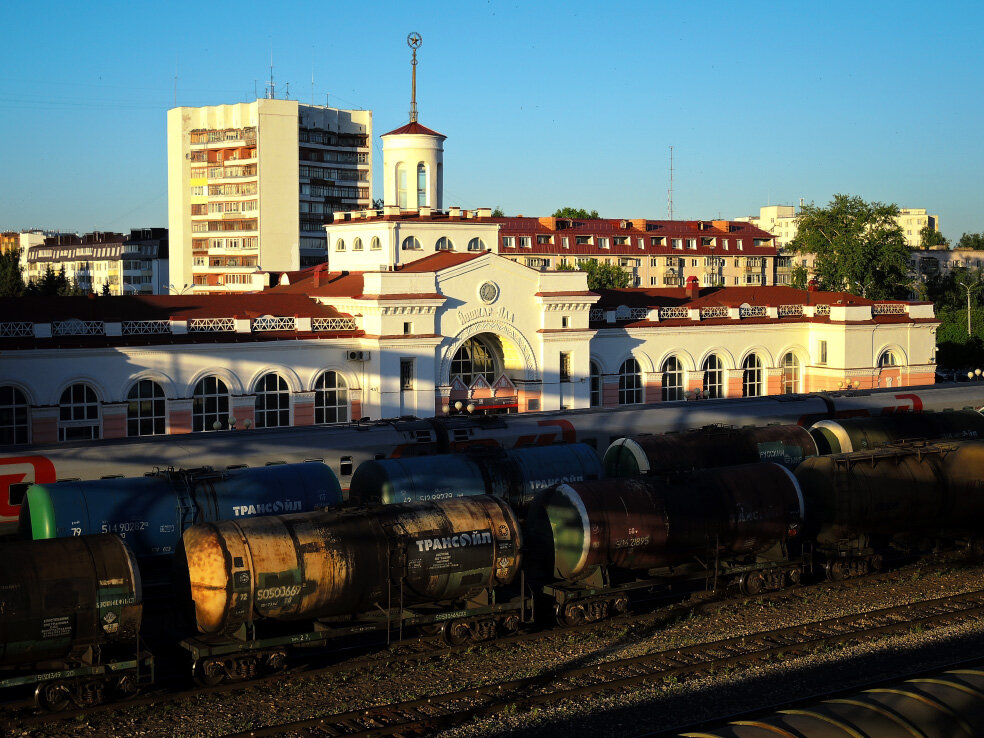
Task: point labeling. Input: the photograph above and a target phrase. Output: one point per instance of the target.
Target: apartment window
(672, 379)
(629, 383)
(677, 243)
(78, 414)
(508, 241)
(544, 239)
(602, 243)
(713, 376)
(357, 245)
(594, 399)
(14, 412)
(407, 328)
(330, 399)
(657, 240)
(476, 244)
(410, 244)
(565, 366)
(444, 244)
(565, 321)
(740, 244)
(691, 243)
(272, 401)
(641, 243)
(406, 374)
(582, 240)
(565, 242)
(525, 242)
(145, 409)
(209, 404)
(693, 262)
(823, 353)
(375, 245)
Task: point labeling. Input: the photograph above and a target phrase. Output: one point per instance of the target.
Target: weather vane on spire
(414, 41)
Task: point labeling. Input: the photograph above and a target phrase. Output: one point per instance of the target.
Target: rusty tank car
(620, 534)
(857, 434)
(708, 447)
(347, 572)
(70, 615)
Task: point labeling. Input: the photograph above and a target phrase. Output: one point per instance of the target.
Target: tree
(11, 279)
(601, 276)
(576, 213)
(971, 241)
(497, 213)
(53, 284)
(377, 203)
(799, 277)
(930, 238)
(858, 247)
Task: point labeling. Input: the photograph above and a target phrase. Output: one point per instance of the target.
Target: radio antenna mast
(414, 41)
(669, 193)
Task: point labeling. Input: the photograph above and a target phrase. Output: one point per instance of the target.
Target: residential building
(134, 264)
(250, 186)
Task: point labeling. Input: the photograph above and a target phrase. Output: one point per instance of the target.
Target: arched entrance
(488, 370)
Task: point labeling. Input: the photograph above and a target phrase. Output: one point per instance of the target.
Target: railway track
(441, 711)
(415, 649)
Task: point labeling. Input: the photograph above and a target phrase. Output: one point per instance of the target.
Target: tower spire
(414, 41)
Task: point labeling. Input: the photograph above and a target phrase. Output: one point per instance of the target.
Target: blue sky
(545, 104)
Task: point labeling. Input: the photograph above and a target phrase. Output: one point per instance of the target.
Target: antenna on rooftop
(271, 87)
(669, 193)
(414, 41)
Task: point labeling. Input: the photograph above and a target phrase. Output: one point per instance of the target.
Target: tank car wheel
(836, 570)
(752, 583)
(275, 662)
(875, 563)
(53, 696)
(795, 575)
(571, 614)
(509, 624)
(620, 605)
(209, 673)
(455, 633)
(126, 687)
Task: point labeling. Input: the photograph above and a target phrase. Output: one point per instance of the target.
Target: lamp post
(172, 290)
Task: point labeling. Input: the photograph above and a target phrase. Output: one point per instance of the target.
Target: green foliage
(576, 213)
(54, 284)
(930, 238)
(858, 247)
(799, 277)
(11, 279)
(497, 213)
(105, 289)
(971, 241)
(601, 276)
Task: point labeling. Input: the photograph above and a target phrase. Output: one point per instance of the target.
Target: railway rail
(441, 711)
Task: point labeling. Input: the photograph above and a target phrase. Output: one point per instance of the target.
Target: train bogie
(708, 447)
(858, 434)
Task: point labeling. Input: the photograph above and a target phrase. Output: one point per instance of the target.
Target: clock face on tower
(489, 291)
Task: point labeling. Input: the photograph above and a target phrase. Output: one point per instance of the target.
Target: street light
(179, 291)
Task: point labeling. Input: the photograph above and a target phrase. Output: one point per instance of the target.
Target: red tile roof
(414, 128)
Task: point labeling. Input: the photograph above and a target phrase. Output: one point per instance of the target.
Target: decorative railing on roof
(76, 327)
(889, 309)
(144, 327)
(669, 313)
(786, 311)
(16, 330)
(753, 311)
(333, 324)
(596, 315)
(211, 325)
(274, 323)
(822, 310)
(715, 311)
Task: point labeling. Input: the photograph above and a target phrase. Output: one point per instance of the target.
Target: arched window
(444, 244)
(751, 380)
(629, 383)
(145, 413)
(410, 244)
(357, 245)
(330, 399)
(78, 414)
(421, 185)
(476, 244)
(713, 376)
(401, 187)
(474, 358)
(672, 379)
(209, 405)
(272, 401)
(596, 396)
(888, 359)
(374, 245)
(790, 374)
(14, 413)
(340, 245)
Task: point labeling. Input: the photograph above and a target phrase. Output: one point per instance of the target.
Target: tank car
(70, 615)
(858, 434)
(348, 572)
(708, 447)
(892, 498)
(150, 512)
(597, 541)
(515, 475)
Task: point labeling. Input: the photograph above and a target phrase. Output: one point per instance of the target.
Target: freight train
(344, 447)
(470, 567)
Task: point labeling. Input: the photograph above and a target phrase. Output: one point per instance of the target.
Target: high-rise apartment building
(250, 186)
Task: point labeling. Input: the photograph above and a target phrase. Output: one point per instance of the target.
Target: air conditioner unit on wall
(358, 356)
